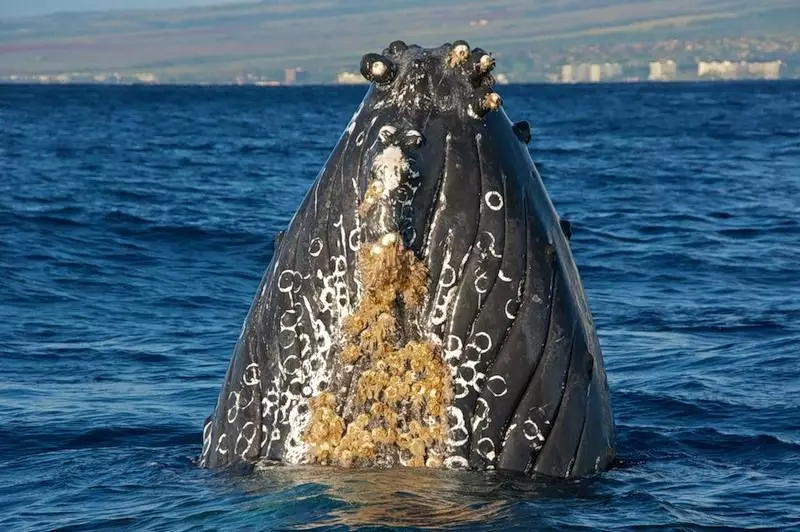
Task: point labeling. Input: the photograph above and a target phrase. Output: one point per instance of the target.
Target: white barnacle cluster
(394, 182)
(492, 101)
(459, 54)
(486, 63)
(389, 167)
(387, 240)
(378, 69)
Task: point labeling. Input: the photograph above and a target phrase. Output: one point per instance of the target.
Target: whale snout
(424, 307)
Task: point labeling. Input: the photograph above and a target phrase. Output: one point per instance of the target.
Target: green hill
(326, 37)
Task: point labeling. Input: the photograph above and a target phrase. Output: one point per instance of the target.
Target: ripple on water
(136, 222)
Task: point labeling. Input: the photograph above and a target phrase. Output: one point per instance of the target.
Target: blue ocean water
(136, 222)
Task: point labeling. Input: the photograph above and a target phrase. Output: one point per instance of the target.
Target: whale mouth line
(396, 324)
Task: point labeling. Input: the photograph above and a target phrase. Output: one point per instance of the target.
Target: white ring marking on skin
(481, 282)
(285, 280)
(252, 375)
(458, 426)
(494, 200)
(315, 247)
(456, 462)
(220, 441)
(509, 314)
(339, 265)
(448, 270)
(245, 438)
(354, 244)
(451, 339)
(489, 455)
(290, 281)
(474, 343)
(287, 321)
(497, 385)
(296, 364)
(233, 410)
(531, 431)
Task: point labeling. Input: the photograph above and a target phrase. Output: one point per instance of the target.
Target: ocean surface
(136, 222)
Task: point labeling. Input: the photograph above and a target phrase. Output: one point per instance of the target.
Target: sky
(24, 8)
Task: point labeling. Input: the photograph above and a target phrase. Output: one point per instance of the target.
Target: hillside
(325, 37)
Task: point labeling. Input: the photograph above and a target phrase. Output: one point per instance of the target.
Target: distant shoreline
(257, 42)
(5, 83)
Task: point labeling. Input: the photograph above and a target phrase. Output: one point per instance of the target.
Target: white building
(567, 75)
(590, 72)
(663, 70)
(740, 70)
(350, 78)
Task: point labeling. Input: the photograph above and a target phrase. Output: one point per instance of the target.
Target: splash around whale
(423, 308)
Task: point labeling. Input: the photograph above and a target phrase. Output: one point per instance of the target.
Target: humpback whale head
(423, 307)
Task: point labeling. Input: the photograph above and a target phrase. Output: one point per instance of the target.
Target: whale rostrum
(423, 307)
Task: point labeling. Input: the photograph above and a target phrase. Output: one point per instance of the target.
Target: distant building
(350, 78)
(595, 73)
(567, 75)
(765, 70)
(145, 77)
(295, 75)
(740, 70)
(663, 70)
(717, 69)
(582, 72)
(590, 72)
(610, 70)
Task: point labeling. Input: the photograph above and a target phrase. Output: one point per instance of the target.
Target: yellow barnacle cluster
(325, 428)
(401, 389)
(371, 196)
